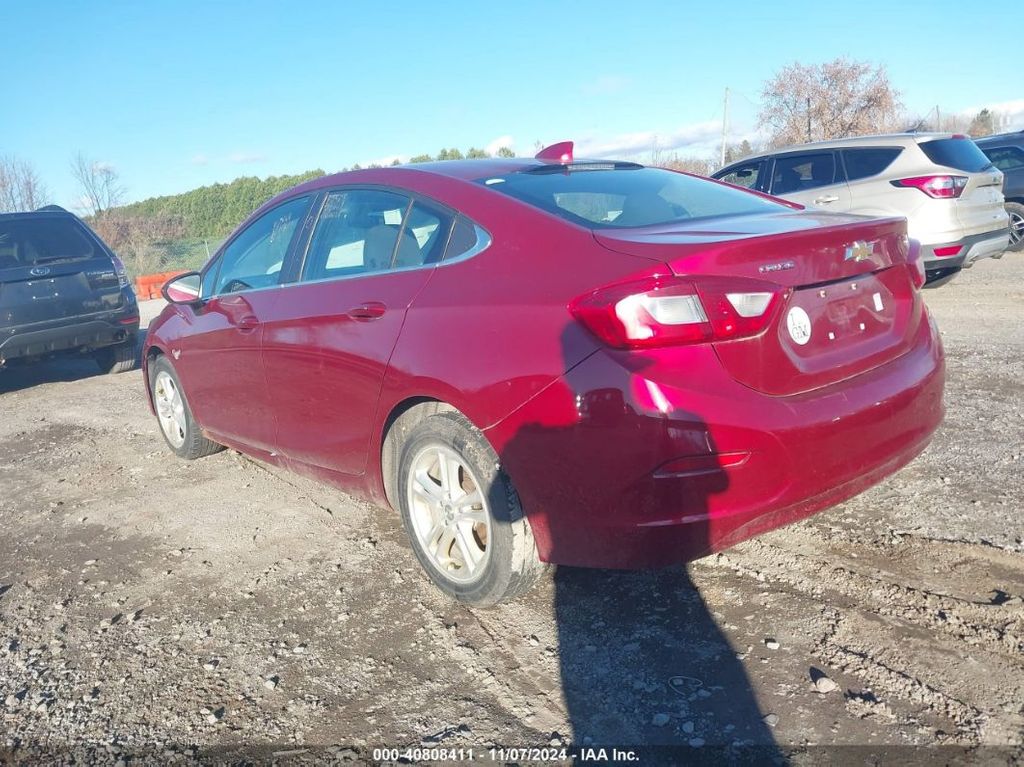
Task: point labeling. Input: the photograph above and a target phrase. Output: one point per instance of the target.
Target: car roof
(882, 139)
(1001, 138)
(50, 211)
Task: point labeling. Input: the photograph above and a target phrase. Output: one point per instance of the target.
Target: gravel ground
(168, 610)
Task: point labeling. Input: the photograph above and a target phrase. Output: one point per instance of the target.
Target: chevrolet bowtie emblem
(859, 251)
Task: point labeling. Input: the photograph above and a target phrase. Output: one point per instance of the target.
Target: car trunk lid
(848, 302)
(55, 290)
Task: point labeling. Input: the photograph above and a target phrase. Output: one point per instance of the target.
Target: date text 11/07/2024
(504, 754)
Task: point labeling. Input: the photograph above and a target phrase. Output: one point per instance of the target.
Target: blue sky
(175, 95)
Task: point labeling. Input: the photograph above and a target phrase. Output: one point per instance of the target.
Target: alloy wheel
(170, 409)
(449, 514)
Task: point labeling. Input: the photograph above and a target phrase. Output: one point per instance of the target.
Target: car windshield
(623, 196)
(44, 239)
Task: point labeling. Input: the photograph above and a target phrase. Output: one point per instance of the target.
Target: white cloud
(502, 141)
(200, 159)
(1012, 111)
(245, 158)
(606, 85)
(694, 138)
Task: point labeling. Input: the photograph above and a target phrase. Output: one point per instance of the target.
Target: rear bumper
(971, 248)
(616, 468)
(71, 335)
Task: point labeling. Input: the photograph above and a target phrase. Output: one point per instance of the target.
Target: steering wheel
(235, 285)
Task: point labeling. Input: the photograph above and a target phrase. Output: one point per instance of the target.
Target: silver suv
(946, 188)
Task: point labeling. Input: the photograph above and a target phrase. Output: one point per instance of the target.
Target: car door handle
(826, 198)
(248, 322)
(371, 310)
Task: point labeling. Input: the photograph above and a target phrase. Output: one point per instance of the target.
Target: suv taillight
(664, 311)
(120, 271)
(939, 187)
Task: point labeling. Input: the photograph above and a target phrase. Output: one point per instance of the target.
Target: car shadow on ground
(16, 375)
(643, 661)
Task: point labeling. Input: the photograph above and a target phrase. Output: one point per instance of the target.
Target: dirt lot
(150, 606)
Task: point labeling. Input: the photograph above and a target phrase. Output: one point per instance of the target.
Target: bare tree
(101, 188)
(832, 100)
(20, 186)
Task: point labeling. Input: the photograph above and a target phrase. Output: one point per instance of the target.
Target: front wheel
(1016, 213)
(177, 424)
(462, 515)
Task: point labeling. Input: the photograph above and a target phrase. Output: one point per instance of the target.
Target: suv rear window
(960, 153)
(35, 240)
(622, 197)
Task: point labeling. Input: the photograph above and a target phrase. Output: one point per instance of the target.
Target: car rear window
(30, 241)
(960, 153)
(864, 163)
(606, 196)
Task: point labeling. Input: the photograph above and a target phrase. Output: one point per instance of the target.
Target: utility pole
(808, 119)
(725, 123)
(938, 119)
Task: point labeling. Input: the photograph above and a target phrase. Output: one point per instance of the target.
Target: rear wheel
(1016, 212)
(119, 358)
(180, 429)
(462, 515)
(936, 278)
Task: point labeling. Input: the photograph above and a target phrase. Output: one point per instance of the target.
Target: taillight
(663, 311)
(915, 263)
(120, 271)
(939, 187)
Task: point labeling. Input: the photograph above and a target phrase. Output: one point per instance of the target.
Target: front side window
(1006, 157)
(746, 175)
(255, 257)
(798, 173)
(364, 231)
(608, 196)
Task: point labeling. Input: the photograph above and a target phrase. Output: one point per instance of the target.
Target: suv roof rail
(51, 209)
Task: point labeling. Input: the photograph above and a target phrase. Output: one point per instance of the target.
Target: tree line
(800, 103)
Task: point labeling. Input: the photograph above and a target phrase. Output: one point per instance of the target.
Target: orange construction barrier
(148, 286)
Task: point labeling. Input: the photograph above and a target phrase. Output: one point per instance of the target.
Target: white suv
(946, 188)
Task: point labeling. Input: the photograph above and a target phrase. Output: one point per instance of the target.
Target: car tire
(119, 358)
(464, 518)
(1016, 212)
(939, 277)
(179, 428)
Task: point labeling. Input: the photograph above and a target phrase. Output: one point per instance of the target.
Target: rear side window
(633, 196)
(960, 153)
(1006, 157)
(867, 162)
(747, 175)
(796, 173)
(38, 240)
(467, 239)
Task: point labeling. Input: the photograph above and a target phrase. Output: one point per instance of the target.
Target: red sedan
(551, 360)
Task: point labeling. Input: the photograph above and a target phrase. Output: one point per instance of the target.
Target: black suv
(1006, 151)
(62, 291)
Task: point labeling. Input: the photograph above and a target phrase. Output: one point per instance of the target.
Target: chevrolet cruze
(555, 361)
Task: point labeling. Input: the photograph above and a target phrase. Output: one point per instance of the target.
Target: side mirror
(183, 289)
